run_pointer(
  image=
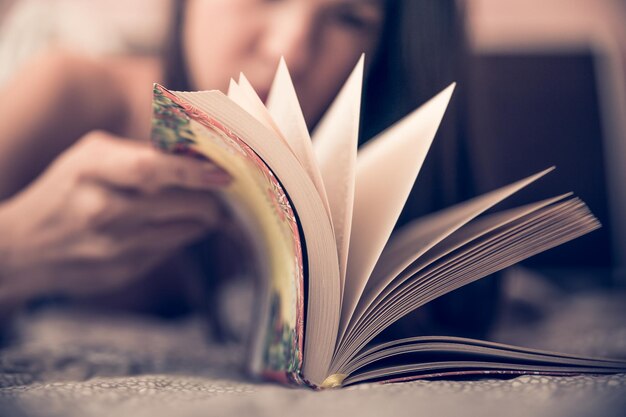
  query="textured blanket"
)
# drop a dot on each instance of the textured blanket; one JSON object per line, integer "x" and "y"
{"x": 71, "y": 363}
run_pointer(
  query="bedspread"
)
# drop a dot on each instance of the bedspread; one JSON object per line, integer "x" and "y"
{"x": 78, "y": 364}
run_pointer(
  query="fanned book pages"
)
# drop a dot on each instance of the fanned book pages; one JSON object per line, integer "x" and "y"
{"x": 320, "y": 217}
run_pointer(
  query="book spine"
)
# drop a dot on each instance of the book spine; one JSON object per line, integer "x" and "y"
{"x": 181, "y": 128}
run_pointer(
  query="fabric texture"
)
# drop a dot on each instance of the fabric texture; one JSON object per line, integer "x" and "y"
{"x": 71, "y": 363}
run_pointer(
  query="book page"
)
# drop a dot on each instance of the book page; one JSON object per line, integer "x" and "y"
{"x": 461, "y": 356}
{"x": 418, "y": 237}
{"x": 386, "y": 169}
{"x": 243, "y": 94}
{"x": 475, "y": 251}
{"x": 335, "y": 143}
{"x": 408, "y": 256}
{"x": 255, "y": 197}
{"x": 285, "y": 110}
{"x": 214, "y": 110}
{"x": 479, "y": 249}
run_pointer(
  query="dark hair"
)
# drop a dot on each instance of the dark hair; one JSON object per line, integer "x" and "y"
{"x": 176, "y": 75}
{"x": 422, "y": 50}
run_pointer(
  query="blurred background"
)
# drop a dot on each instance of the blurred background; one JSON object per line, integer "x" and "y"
{"x": 548, "y": 87}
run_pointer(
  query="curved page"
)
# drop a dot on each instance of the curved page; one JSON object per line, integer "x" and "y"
{"x": 189, "y": 122}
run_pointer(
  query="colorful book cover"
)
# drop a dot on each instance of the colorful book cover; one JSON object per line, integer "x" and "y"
{"x": 260, "y": 201}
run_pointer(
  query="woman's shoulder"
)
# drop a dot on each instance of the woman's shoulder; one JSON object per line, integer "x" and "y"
{"x": 100, "y": 86}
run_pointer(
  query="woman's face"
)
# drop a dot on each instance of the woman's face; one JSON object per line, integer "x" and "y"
{"x": 321, "y": 41}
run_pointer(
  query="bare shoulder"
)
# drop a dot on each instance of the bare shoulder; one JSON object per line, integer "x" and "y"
{"x": 110, "y": 92}
{"x": 72, "y": 72}
{"x": 58, "y": 97}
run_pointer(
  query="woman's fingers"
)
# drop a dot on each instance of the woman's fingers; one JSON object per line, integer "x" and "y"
{"x": 177, "y": 205}
{"x": 138, "y": 166}
{"x": 106, "y": 211}
{"x": 170, "y": 219}
{"x": 130, "y": 213}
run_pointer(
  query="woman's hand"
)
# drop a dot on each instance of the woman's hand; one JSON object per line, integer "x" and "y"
{"x": 103, "y": 214}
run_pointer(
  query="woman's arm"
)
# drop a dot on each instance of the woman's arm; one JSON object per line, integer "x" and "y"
{"x": 84, "y": 211}
{"x": 103, "y": 214}
{"x": 46, "y": 107}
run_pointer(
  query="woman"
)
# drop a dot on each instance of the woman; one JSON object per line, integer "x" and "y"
{"x": 87, "y": 207}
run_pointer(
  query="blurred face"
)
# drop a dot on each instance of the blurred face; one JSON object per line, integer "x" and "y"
{"x": 321, "y": 41}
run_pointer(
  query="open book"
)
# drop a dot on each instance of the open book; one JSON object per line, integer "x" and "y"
{"x": 320, "y": 217}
